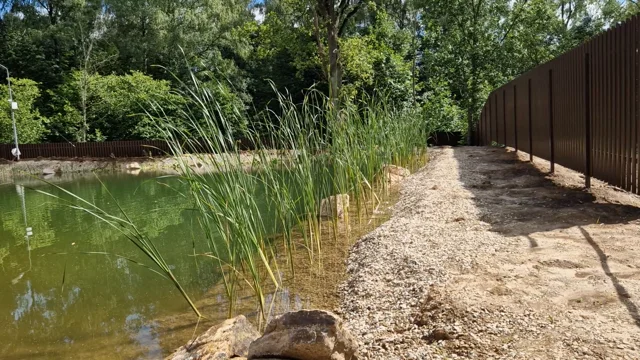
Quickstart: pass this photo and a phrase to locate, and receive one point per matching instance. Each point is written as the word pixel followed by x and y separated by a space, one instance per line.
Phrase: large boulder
pixel 395 174
pixel 334 206
pixel 228 340
pixel 305 335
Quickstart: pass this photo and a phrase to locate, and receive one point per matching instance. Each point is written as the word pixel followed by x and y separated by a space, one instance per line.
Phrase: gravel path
pixel 487 257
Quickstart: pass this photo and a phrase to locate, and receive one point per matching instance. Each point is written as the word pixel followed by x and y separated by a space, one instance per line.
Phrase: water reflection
pixel 70 289
pixel 144 334
pixel 61 302
pixel 28 230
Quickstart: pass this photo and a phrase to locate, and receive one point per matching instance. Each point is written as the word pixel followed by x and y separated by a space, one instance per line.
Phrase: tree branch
pixel 513 23
pixel 349 15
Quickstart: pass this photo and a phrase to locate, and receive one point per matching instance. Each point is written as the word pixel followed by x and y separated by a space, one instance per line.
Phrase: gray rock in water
pixel 305 335
pixel 48 171
pixel 133 166
pixel 395 174
pixel 228 340
pixel 336 205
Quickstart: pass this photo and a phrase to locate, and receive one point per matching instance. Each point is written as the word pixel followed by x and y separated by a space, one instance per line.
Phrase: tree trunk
pixel 470 127
pixel 335 76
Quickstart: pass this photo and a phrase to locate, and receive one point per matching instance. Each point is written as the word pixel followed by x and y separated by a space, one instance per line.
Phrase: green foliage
pixel 29 122
pixel 114 106
pixel 441 111
pixel 240 49
pixel 375 61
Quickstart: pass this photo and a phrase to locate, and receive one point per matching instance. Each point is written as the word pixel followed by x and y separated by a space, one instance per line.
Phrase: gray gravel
pixel 486 258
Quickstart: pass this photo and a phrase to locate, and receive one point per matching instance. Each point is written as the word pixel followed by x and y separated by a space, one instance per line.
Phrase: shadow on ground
pixel 517 199
pixel 623 294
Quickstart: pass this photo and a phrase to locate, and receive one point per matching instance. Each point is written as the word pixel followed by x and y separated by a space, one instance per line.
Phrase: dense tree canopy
pixel 85 70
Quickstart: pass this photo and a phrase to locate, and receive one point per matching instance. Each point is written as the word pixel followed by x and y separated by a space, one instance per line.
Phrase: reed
pixel 304 152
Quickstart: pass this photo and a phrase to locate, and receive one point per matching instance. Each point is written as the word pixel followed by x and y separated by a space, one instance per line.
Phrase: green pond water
pixel 58 303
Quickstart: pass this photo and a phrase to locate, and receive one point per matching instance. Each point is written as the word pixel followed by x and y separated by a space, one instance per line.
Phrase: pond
pixel 65 293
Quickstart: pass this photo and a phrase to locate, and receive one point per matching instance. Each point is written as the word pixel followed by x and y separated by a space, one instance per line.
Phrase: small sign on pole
pixel 14 105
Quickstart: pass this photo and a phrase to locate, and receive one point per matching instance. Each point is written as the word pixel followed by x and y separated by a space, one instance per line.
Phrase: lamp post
pixel 13 117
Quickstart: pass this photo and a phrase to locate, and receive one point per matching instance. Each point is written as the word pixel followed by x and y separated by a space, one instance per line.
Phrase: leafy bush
pixel 441 111
pixel 113 105
pixel 29 122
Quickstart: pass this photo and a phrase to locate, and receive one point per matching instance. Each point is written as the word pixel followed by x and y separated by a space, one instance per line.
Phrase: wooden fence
pixel 579 110
pixel 111 149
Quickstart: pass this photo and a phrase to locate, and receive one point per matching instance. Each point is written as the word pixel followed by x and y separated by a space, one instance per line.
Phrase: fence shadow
pixel 623 295
pixel 516 199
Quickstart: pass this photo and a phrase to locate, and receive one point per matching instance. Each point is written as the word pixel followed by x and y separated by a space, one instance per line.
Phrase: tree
pixel 30 124
pixel 115 107
pixel 331 19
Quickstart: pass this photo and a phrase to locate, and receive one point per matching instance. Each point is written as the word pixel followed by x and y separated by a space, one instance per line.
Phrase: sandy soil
pixel 489 257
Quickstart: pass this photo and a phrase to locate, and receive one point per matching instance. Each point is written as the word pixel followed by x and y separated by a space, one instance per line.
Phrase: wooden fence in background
pixel 579 110
pixel 110 149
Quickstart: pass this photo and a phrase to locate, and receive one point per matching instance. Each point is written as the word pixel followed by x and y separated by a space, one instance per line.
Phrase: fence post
pixel 515 116
pixel 551 142
pixel 530 125
pixel 497 119
pixel 489 121
pixel 504 115
pixel 587 92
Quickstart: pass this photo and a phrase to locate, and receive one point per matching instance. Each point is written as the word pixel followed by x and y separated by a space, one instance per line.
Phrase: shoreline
pixel 201 163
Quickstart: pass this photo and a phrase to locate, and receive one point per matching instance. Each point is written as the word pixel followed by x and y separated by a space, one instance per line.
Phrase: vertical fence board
pixel 634 104
pixel 616 105
pixel 595 106
pixel 580 110
pixel 626 48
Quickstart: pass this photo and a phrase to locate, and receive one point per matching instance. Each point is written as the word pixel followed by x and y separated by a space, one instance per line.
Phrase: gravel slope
pixel 487 257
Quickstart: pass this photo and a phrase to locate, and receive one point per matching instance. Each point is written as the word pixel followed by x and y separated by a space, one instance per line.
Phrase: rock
pixel 438 335
pixel 305 335
pixel 395 174
pixel 133 166
pixel 230 339
pixel 48 171
pixel 397 170
pixel 337 204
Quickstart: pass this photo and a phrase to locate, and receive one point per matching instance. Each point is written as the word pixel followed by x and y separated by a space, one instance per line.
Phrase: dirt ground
pixel 487 256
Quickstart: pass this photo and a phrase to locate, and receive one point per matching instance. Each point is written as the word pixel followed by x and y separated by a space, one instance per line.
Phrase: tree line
pixel 85 70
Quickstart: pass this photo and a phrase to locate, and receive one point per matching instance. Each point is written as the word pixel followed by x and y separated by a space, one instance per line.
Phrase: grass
pixel 304 153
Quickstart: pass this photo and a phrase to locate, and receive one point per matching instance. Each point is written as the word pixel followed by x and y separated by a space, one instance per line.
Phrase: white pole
pixel 13 117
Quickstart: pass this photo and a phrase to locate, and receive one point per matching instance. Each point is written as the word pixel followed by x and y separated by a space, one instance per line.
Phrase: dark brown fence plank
pixel 587 96
pixel 580 110
pixel 136 148
pixel 515 115
pixel 610 111
pixel 634 103
pixel 596 142
pixel 616 104
pixel 626 48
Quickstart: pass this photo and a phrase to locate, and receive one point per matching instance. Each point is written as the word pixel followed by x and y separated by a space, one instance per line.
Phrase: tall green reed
pixel 303 152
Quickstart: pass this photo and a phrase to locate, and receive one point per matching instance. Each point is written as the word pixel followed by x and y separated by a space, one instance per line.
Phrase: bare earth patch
pixel 488 256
